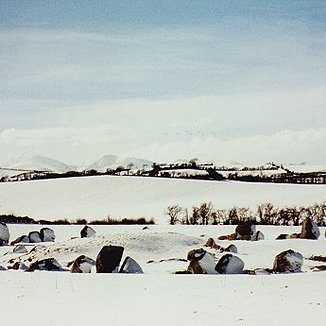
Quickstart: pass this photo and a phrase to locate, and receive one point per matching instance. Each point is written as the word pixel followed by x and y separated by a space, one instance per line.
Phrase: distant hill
pixel 37 162
pixel 113 161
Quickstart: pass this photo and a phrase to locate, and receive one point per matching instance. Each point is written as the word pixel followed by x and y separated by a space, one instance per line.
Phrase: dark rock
pixel 48 264
pixel 229 264
pixel 108 259
pixel 47 235
pixel 130 266
pixel 87 232
pixel 288 261
pixel 295 236
pixel 309 229
pixel 82 264
pixel 245 231
pixel 283 236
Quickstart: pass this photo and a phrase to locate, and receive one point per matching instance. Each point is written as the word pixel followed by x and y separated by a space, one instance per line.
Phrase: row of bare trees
pixel 266 214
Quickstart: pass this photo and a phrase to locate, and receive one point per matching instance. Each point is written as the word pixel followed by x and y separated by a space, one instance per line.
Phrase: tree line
pixel 266 214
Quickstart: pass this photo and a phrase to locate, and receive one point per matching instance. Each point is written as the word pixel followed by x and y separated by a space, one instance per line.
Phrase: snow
pixel 97 197
pixel 114 161
pixel 157 296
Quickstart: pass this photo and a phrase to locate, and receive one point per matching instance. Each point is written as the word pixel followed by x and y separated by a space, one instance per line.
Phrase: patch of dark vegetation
pixel 124 221
pixel 12 219
pixel 318 258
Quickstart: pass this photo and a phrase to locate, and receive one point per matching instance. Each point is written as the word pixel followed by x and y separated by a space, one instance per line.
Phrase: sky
pixel 224 81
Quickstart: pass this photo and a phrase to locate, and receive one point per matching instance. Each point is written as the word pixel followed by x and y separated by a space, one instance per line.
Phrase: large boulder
pixel 130 266
pixel 48 264
pixel 201 262
pixel 47 235
pixel 108 259
pixel 229 264
pixel 245 231
pixel 22 239
pixel 34 237
pixel 288 261
pixel 87 232
pixel 82 264
pixel 309 229
pixel 4 234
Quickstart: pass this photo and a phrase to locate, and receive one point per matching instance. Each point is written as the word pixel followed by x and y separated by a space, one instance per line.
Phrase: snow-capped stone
pixel 230 248
pixel 20 249
pixel 22 239
pixel 130 266
pixel 48 264
pixel 108 259
pixel 309 229
pixel 201 262
pixel 47 235
pixel 245 231
pixel 4 234
pixel 34 237
pixel 82 264
pixel 87 232
pixel 229 264
pixel 288 261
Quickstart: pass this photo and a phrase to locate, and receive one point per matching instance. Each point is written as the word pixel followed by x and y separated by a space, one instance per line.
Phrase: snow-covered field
pixel 159 297
pixel 97 197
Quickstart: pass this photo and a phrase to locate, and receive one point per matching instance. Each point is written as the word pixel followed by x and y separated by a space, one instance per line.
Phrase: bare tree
pixel 173 212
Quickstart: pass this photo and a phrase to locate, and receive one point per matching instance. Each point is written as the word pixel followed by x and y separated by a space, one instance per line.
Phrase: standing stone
pixel 4 234
pixel 82 264
pixel 87 232
pixel 201 262
pixel 309 229
pixel 245 231
pixel 108 259
pixel 288 261
pixel 47 235
pixel 130 266
pixel 229 264
pixel 34 237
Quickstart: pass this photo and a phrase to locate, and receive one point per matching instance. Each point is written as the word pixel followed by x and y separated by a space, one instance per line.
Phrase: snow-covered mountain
pixel 113 161
pixel 37 162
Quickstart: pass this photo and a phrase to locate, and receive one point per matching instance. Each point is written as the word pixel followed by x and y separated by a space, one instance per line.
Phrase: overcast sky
pixel 219 80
